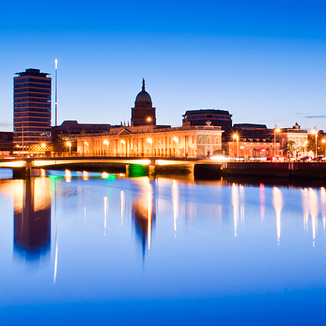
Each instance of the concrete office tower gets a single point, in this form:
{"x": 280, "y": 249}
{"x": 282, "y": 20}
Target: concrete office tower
{"x": 32, "y": 111}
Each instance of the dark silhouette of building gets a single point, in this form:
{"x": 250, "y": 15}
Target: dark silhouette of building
{"x": 32, "y": 219}
{"x": 144, "y": 215}
{"x": 6, "y": 142}
{"x": 143, "y": 113}
{"x": 208, "y": 116}
{"x": 68, "y": 130}
{"x": 32, "y": 109}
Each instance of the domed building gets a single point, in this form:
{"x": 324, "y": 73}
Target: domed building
{"x": 143, "y": 113}
{"x": 144, "y": 138}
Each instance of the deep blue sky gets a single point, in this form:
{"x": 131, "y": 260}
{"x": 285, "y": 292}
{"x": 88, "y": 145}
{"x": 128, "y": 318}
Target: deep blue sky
{"x": 264, "y": 61}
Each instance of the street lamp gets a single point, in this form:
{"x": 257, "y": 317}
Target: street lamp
{"x": 106, "y": 142}
{"x": 85, "y": 143}
{"x": 68, "y": 143}
{"x": 236, "y": 137}
{"x": 315, "y": 132}
{"x": 148, "y": 119}
{"x": 150, "y": 141}
{"x": 276, "y": 130}
{"x": 305, "y": 147}
{"x": 123, "y": 142}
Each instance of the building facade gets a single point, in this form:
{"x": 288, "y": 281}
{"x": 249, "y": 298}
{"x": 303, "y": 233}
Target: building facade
{"x": 201, "y": 117}
{"x": 197, "y": 141}
{"x": 145, "y": 138}
{"x": 32, "y": 111}
{"x": 249, "y": 140}
{"x": 143, "y": 113}
{"x": 293, "y": 141}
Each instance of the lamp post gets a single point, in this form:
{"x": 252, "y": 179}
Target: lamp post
{"x": 106, "y": 142}
{"x": 276, "y": 130}
{"x": 305, "y": 147}
{"x": 150, "y": 141}
{"x": 85, "y": 143}
{"x": 69, "y": 145}
{"x": 123, "y": 142}
{"x": 236, "y": 137}
{"x": 176, "y": 140}
{"x": 315, "y": 132}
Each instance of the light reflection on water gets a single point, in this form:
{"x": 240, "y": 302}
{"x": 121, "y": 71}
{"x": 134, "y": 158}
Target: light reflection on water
{"x": 134, "y": 240}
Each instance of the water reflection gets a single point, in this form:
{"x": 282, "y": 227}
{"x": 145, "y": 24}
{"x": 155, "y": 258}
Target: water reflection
{"x": 32, "y": 218}
{"x": 310, "y": 207}
{"x": 238, "y": 203}
{"x": 144, "y": 212}
{"x": 278, "y": 205}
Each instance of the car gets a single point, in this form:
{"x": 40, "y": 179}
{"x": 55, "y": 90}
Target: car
{"x": 306, "y": 159}
{"x": 275, "y": 158}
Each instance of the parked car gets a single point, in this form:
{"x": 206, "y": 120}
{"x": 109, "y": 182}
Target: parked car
{"x": 306, "y": 159}
{"x": 275, "y": 158}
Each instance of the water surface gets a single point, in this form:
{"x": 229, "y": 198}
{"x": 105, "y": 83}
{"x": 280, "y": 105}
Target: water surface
{"x": 84, "y": 249}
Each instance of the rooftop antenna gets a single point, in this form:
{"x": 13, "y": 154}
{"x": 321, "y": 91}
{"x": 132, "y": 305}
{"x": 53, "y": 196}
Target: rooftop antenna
{"x": 56, "y": 91}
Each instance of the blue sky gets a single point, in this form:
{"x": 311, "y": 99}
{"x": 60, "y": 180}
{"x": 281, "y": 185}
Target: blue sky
{"x": 264, "y": 61}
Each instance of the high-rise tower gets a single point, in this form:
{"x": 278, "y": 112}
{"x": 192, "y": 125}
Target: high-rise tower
{"x": 143, "y": 113}
{"x": 32, "y": 109}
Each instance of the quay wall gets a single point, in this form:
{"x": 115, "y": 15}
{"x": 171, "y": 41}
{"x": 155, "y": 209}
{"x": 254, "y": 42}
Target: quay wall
{"x": 271, "y": 169}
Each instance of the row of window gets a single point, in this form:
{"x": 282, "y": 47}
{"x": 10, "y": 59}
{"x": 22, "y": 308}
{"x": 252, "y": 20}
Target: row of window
{"x": 209, "y": 116}
{"x": 24, "y": 95}
{"x": 27, "y": 115}
{"x": 32, "y": 110}
{"x": 17, "y": 86}
{"x": 25, "y": 121}
{"x": 29, "y": 99}
{"x": 33, "y": 105}
{"x": 21, "y": 90}
{"x": 44, "y": 80}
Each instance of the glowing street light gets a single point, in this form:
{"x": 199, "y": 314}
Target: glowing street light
{"x": 68, "y": 143}
{"x": 236, "y": 137}
{"x": 106, "y": 142}
{"x": 176, "y": 139}
{"x": 276, "y": 130}
{"x": 43, "y": 145}
{"x": 150, "y": 141}
{"x": 305, "y": 147}
{"x": 148, "y": 119}
{"x": 315, "y": 132}
{"x": 85, "y": 143}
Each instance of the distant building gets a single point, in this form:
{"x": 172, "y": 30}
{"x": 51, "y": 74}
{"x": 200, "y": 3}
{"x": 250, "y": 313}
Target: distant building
{"x": 201, "y": 117}
{"x": 143, "y": 113}
{"x": 293, "y": 141}
{"x": 68, "y": 130}
{"x": 249, "y": 140}
{"x": 6, "y": 143}
{"x": 145, "y": 138}
{"x": 32, "y": 111}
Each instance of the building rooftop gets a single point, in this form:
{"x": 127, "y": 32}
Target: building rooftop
{"x": 32, "y": 72}
{"x": 203, "y": 111}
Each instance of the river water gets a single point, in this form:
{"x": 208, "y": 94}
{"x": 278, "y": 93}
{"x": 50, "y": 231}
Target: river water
{"x": 104, "y": 249}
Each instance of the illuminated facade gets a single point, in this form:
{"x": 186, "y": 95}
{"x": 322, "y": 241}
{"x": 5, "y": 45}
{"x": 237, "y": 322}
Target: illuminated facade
{"x": 293, "y": 141}
{"x": 32, "y": 111}
{"x": 145, "y": 138}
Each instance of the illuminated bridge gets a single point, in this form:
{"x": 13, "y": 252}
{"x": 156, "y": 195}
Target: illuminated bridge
{"x": 144, "y": 166}
{"x": 22, "y": 167}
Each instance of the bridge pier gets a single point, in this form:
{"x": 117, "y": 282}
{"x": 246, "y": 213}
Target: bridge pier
{"x": 21, "y": 172}
{"x": 151, "y": 169}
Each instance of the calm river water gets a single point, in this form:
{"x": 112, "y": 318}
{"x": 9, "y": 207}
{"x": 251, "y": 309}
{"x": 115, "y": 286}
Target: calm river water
{"x": 86, "y": 249}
